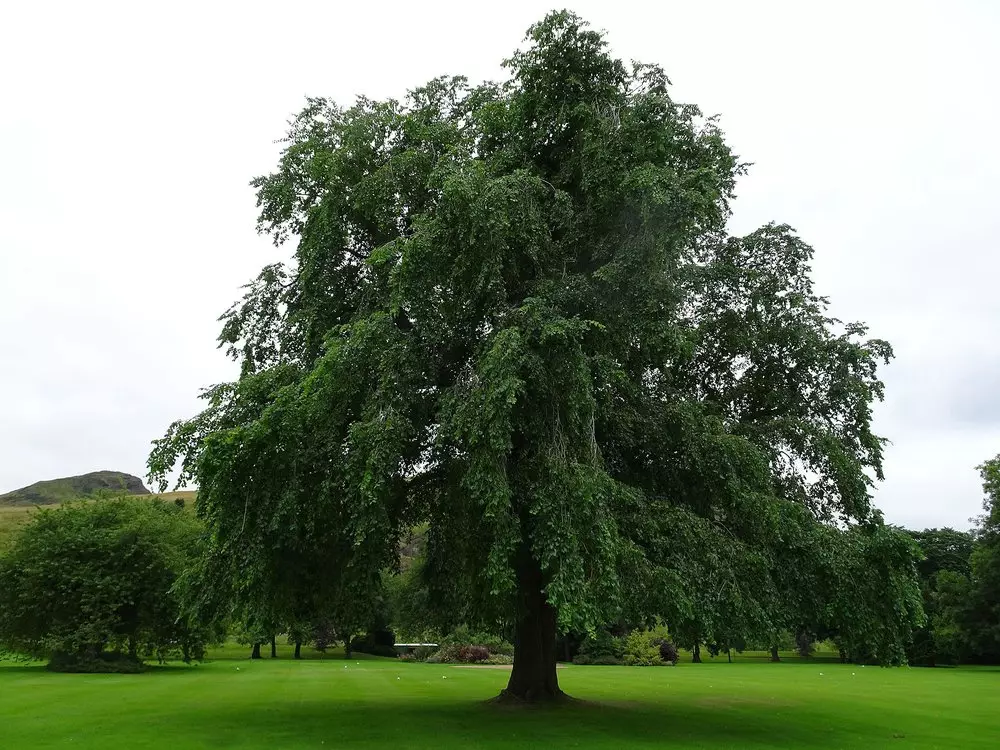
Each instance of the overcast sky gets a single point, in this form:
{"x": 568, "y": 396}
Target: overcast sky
{"x": 129, "y": 132}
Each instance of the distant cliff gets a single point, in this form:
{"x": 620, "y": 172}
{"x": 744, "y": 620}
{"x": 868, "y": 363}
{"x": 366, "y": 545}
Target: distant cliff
{"x": 70, "y": 488}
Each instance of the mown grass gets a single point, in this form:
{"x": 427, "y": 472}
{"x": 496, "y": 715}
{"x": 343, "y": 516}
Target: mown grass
{"x": 231, "y": 702}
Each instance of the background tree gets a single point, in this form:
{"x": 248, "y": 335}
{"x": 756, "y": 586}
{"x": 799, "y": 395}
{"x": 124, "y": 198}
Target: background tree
{"x": 91, "y": 581}
{"x": 944, "y": 580}
{"x": 506, "y": 317}
{"x": 981, "y": 616}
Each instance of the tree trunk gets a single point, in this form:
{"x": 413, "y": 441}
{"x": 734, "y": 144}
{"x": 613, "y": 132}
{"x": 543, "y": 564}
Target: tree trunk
{"x": 533, "y": 678}
{"x": 729, "y": 653}
{"x": 347, "y": 648}
{"x": 843, "y": 656}
{"x": 255, "y": 654}
{"x": 274, "y": 647}
{"x": 298, "y": 649}
{"x": 774, "y": 654}
{"x": 696, "y": 656}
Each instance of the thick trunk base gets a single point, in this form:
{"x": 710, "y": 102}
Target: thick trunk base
{"x": 255, "y": 654}
{"x": 696, "y": 655}
{"x": 298, "y": 650}
{"x": 274, "y": 648}
{"x": 774, "y": 654}
{"x": 533, "y": 679}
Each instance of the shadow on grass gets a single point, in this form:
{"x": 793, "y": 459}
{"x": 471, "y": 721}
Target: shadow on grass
{"x": 40, "y": 668}
{"x": 476, "y": 724}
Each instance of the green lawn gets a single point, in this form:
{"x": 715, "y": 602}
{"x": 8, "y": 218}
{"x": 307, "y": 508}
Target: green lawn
{"x": 374, "y": 703}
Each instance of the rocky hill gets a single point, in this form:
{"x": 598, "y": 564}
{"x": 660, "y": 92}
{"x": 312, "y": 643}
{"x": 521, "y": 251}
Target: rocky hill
{"x": 53, "y": 491}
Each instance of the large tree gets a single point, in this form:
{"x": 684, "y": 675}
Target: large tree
{"x": 514, "y": 314}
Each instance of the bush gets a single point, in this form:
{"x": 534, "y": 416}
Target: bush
{"x": 606, "y": 661}
{"x": 376, "y": 643}
{"x": 473, "y": 654}
{"x": 641, "y": 649}
{"x": 87, "y": 582}
{"x": 408, "y": 657}
{"x": 463, "y": 636}
{"x": 91, "y": 663}
{"x": 463, "y": 646}
{"x": 447, "y": 654}
{"x": 601, "y": 645}
{"x": 668, "y": 652}
{"x": 422, "y": 653}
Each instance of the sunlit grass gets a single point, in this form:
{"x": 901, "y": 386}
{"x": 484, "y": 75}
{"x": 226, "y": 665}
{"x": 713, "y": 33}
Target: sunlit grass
{"x": 368, "y": 702}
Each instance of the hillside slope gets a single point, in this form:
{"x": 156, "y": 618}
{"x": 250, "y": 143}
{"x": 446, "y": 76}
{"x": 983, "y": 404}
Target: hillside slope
{"x": 13, "y": 517}
{"x": 69, "y": 488}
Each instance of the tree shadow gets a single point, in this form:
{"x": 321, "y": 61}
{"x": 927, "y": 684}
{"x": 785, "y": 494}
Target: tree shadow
{"x": 419, "y": 723}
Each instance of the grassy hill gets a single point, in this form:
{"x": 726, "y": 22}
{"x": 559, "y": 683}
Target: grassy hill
{"x": 13, "y": 517}
{"x": 52, "y": 491}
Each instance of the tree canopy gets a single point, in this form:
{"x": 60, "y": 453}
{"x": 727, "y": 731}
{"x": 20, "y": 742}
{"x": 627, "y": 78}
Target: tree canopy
{"x": 513, "y": 313}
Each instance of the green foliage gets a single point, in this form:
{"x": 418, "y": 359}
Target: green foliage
{"x": 873, "y": 597}
{"x": 513, "y": 314}
{"x": 641, "y": 648}
{"x": 91, "y": 578}
{"x": 412, "y": 617}
{"x": 601, "y": 647}
{"x": 961, "y": 586}
{"x": 981, "y": 616}
{"x": 944, "y": 572}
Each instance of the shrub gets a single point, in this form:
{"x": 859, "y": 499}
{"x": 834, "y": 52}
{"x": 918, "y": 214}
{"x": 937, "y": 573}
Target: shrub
{"x": 467, "y": 653}
{"x": 641, "y": 650}
{"x": 668, "y": 652}
{"x": 99, "y": 663}
{"x": 87, "y": 582}
{"x": 606, "y": 661}
{"x": 601, "y": 644}
{"x": 447, "y": 654}
{"x": 473, "y": 654}
{"x": 376, "y": 643}
{"x": 408, "y": 657}
{"x": 463, "y": 636}
{"x": 422, "y": 653}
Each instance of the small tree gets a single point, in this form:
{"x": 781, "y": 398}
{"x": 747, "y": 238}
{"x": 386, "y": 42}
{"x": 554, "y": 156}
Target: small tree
{"x": 90, "y": 586}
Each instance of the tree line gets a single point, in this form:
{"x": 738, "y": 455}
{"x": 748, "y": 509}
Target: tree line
{"x": 100, "y": 586}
